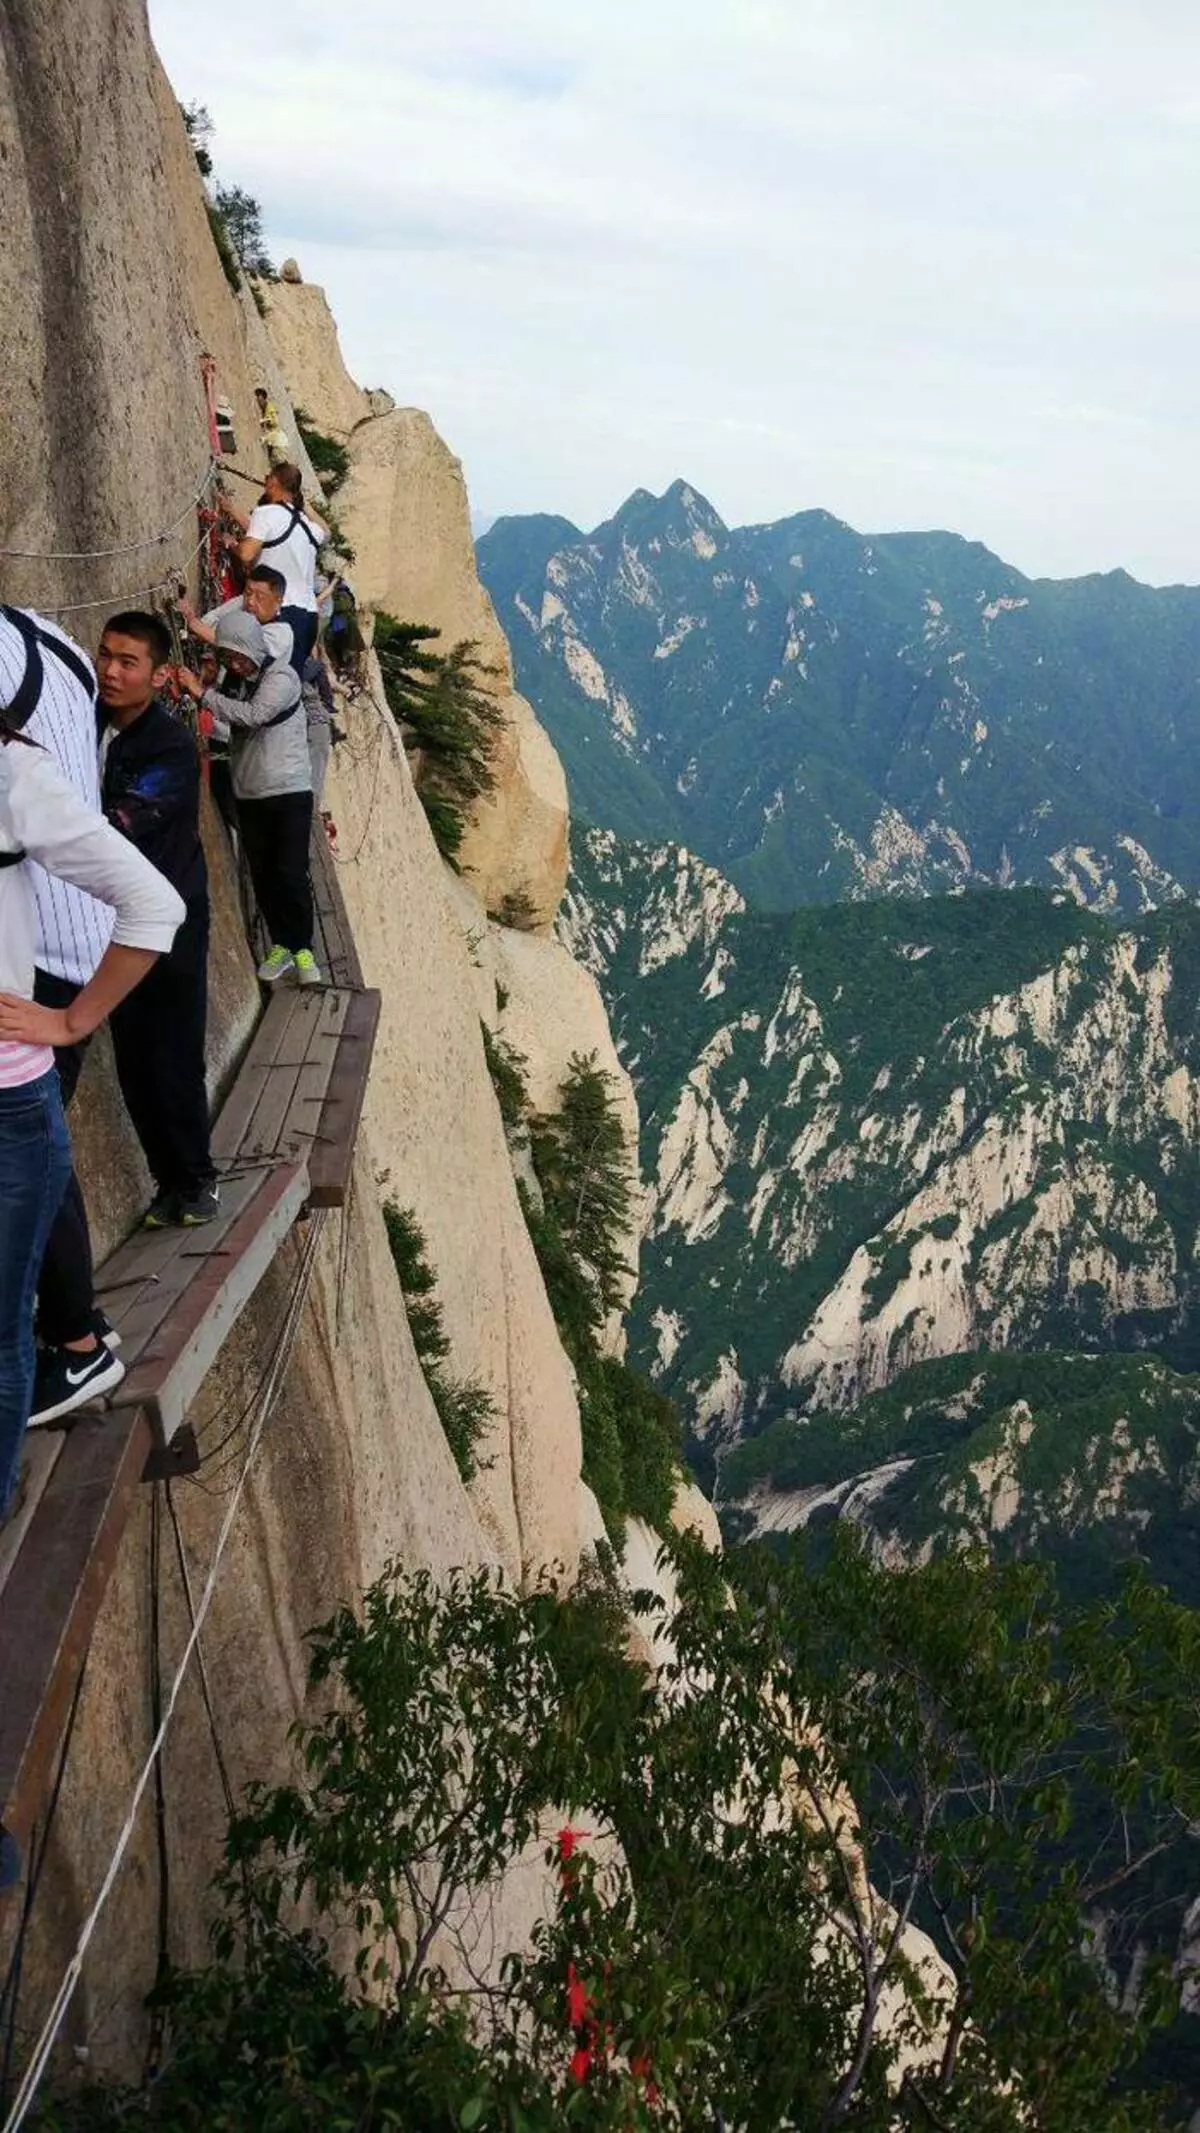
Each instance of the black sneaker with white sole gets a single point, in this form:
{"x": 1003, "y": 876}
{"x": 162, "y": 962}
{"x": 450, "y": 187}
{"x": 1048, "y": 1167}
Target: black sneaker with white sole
{"x": 67, "y": 1379}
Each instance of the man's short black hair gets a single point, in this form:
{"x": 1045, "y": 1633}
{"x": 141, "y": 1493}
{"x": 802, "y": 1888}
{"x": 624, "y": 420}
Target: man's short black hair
{"x": 263, "y": 574}
{"x": 144, "y": 629}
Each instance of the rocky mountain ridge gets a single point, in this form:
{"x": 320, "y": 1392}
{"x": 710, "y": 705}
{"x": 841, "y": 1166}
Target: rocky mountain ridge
{"x": 886, "y": 1132}
{"x": 823, "y": 714}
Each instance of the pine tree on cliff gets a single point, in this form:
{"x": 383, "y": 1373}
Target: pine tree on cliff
{"x": 449, "y": 703}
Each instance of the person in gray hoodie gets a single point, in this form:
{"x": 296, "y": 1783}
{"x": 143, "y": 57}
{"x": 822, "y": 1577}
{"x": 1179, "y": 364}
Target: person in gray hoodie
{"x": 259, "y": 700}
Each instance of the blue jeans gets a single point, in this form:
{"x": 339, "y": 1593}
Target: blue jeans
{"x": 35, "y": 1167}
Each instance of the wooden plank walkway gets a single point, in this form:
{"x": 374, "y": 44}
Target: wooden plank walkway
{"x": 284, "y": 1141}
{"x": 334, "y": 943}
{"x": 52, "y": 1596}
{"x": 175, "y": 1295}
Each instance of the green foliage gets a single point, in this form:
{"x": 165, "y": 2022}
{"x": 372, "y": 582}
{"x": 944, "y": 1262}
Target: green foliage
{"x": 465, "y": 1409}
{"x": 331, "y": 459}
{"x": 1100, "y": 1456}
{"x": 829, "y": 1756}
{"x": 225, "y": 251}
{"x": 584, "y": 1170}
{"x": 241, "y": 214}
{"x": 449, "y": 703}
{"x": 632, "y": 1439}
{"x": 507, "y": 1068}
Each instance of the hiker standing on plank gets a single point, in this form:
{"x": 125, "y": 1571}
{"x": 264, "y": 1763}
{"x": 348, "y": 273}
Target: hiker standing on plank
{"x": 260, "y": 701}
{"x": 262, "y": 597}
{"x": 150, "y": 791}
{"x": 280, "y": 532}
{"x": 44, "y": 669}
{"x": 43, "y": 821}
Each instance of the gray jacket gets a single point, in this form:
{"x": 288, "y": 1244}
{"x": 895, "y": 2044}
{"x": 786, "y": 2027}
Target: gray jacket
{"x": 265, "y": 759}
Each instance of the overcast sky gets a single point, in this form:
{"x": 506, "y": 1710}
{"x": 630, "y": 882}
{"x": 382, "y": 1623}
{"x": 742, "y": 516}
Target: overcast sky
{"x": 919, "y": 262}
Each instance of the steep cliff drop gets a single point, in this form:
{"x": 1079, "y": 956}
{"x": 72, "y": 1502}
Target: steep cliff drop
{"x": 110, "y": 290}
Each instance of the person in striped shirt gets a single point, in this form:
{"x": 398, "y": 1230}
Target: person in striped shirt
{"x": 75, "y": 1364}
{"x": 43, "y": 821}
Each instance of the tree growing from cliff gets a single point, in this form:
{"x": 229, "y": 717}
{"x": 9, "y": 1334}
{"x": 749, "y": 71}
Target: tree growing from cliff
{"x": 448, "y": 704}
{"x": 830, "y": 1757}
{"x": 241, "y": 214}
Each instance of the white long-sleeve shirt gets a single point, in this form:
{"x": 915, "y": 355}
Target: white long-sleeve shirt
{"x": 41, "y": 815}
{"x": 73, "y": 929}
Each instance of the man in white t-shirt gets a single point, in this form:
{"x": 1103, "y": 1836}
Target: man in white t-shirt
{"x": 280, "y": 532}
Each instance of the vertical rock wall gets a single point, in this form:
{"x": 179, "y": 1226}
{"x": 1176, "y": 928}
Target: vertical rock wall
{"x": 110, "y": 289}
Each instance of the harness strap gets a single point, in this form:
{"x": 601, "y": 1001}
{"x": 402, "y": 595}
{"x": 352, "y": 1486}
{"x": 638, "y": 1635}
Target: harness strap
{"x": 11, "y": 859}
{"x": 297, "y": 519}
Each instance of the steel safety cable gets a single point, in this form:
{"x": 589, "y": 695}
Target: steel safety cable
{"x": 104, "y": 555}
{"x": 40, "y": 2057}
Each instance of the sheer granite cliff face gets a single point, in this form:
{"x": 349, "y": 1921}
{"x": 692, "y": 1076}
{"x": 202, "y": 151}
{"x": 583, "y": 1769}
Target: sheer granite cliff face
{"x": 103, "y": 443}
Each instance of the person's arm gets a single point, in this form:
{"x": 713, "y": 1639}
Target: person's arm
{"x": 116, "y": 974}
{"x": 278, "y": 691}
{"x": 54, "y": 826}
{"x": 202, "y": 627}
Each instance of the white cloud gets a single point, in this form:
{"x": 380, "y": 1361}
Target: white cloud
{"x": 920, "y": 265}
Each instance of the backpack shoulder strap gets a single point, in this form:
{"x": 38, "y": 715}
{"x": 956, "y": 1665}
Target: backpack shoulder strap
{"x": 19, "y": 712}
{"x": 297, "y": 518}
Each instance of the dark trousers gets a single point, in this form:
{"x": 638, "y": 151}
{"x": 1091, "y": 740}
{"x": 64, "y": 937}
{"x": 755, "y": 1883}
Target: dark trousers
{"x": 275, "y": 836}
{"x": 303, "y": 624}
{"x": 65, "y": 1286}
{"x": 220, "y": 784}
{"x": 158, "y": 1043}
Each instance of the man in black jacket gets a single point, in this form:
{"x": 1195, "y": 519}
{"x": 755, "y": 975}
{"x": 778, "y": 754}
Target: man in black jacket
{"x": 150, "y": 791}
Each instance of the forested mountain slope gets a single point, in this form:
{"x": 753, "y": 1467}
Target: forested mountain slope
{"x": 893, "y": 1130}
{"x": 825, "y": 715}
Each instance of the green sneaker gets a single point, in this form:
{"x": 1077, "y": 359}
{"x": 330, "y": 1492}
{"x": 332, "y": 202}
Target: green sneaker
{"x": 308, "y": 970}
{"x": 276, "y": 966}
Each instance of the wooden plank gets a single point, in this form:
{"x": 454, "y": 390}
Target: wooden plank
{"x": 339, "y": 952}
{"x": 262, "y": 1134}
{"x": 52, "y": 1596}
{"x": 38, "y": 1456}
{"x": 331, "y": 1162}
{"x": 166, "y": 1381}
{"x": 304, "y": 1112}
{"x": 238, "y": 1108}
{"x": 143, "y": 1315}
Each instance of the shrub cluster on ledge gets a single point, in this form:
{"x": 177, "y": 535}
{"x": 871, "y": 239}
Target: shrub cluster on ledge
{"x": 577, "y": 1220}
{"x": 465, "y": 1409}
{"x": 447, "y": 704}
{"x": 831, "y": 1756}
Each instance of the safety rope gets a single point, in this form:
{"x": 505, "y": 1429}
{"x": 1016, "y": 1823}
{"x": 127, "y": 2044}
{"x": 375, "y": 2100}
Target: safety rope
{"x": 139, "y": 592}
{"x": 104, "y": 555}
{"x": 40, "y": 2057}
